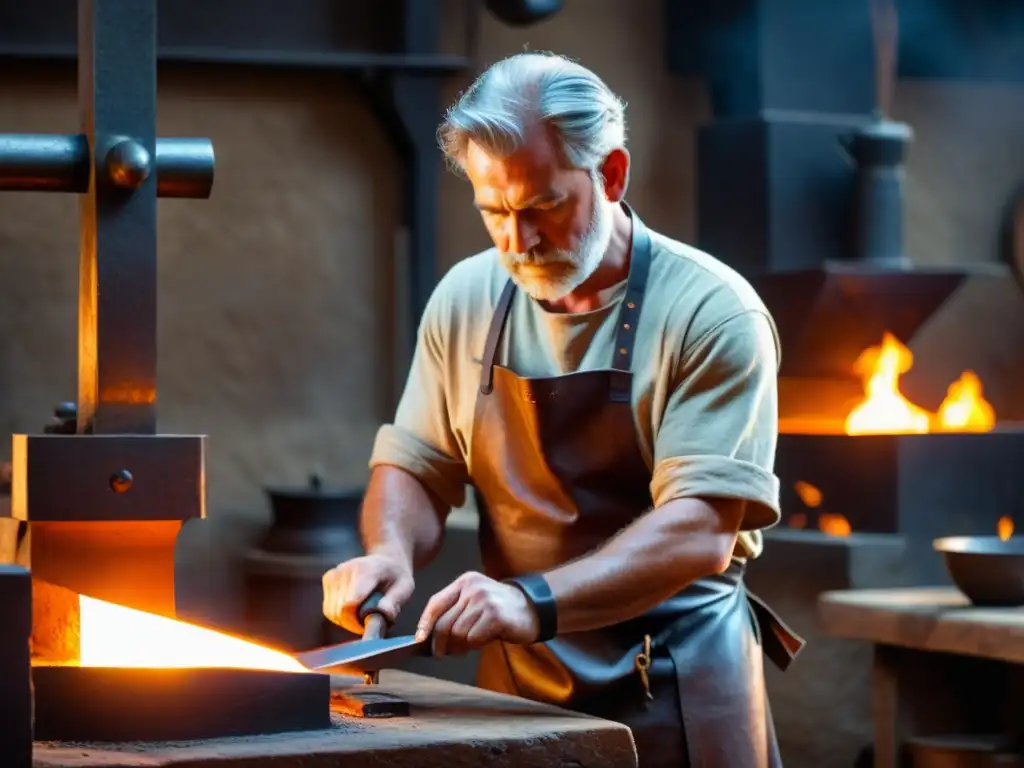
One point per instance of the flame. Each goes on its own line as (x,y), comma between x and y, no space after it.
(1005,527)
(965,409)
(884,409)
(115,636)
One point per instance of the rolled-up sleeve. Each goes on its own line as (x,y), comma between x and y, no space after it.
(719,428)
(420,440)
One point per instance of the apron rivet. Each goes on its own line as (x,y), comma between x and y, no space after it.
(623,351)
(626,326)
(631,305)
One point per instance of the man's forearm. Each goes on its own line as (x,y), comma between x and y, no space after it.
(646,563)
(401,517)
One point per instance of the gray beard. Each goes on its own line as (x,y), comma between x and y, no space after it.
(572,267)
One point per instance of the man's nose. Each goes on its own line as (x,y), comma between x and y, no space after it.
(522,235)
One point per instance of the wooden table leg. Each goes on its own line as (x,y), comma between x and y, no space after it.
(885,707)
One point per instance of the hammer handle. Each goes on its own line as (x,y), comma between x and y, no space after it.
(375,625)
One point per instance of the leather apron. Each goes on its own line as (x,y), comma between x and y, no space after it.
(557,470)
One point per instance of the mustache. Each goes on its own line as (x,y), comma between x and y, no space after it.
(538,258)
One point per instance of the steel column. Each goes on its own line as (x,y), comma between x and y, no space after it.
(408,106)
(417,103)
(117,272)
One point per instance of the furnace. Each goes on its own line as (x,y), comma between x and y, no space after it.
(800,188)
(806,199)
(101,496)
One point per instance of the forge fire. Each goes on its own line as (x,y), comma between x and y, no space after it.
(881,411)
(884,410)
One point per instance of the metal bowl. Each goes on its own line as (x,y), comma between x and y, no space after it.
(988,570)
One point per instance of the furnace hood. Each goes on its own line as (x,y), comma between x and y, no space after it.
(827,316)
(809,208)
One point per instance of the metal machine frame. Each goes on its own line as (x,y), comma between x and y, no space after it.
(102,507)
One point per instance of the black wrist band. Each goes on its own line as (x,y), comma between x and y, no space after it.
(538,593)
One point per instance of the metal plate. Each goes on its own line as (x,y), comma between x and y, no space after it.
(65,478)
(122,705)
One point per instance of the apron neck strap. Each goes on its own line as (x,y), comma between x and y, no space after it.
(494,337)
(629,312)
(636,287)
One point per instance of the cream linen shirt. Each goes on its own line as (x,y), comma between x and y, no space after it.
(705,367)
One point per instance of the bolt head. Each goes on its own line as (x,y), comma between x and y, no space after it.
(121,481)
(128,164)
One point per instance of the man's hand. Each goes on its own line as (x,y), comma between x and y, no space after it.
(347,586)
(474,610)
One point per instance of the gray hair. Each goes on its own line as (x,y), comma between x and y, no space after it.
(527,89)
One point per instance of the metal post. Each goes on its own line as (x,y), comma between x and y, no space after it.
(417,103)
(409,108)
(105,503)
(15,669)
(117,273)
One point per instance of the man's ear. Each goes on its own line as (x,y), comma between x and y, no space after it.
(615,172)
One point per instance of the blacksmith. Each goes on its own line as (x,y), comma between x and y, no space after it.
(609,395)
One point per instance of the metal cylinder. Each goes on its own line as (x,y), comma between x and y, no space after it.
(44,163)
(184,168)
(60,163)
(879,151)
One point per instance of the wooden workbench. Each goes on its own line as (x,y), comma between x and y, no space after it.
(941,666)
(452,726)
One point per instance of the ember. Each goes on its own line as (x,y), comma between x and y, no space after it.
(834,525)
(116,636)
(808,494)
(829,523)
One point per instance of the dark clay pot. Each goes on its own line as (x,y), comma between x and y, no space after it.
(312,530)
